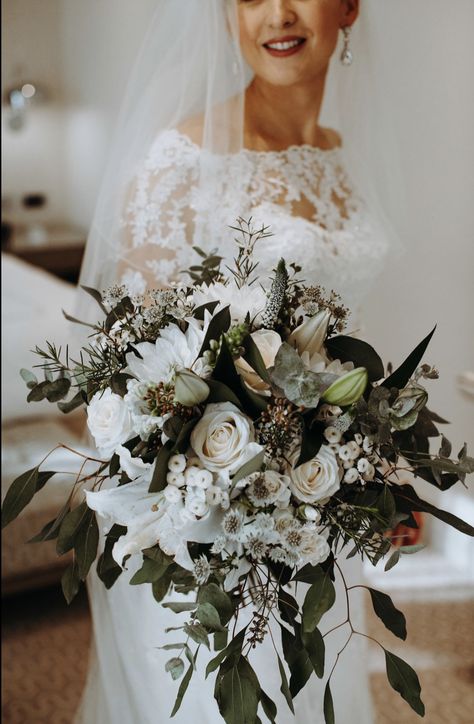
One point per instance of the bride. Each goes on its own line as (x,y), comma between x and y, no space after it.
(223,119)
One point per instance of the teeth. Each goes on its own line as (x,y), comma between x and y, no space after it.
(284,45)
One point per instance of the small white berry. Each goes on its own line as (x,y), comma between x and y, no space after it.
(354,448)
(172,494)
(177,463)
(345,453)
(332,434)
(176,479)
(351,475)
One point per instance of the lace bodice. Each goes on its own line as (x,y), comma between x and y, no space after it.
(184,196)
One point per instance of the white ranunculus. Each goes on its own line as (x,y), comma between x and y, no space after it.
(268,343)
(172,350)
(242,301)
(223,439)
(317,479)
(109,421)
(313,548)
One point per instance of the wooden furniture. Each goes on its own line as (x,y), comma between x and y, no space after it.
(59,249)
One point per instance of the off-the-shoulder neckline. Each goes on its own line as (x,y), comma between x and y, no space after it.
(316,150)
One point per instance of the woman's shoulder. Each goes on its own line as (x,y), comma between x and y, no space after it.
(330,139)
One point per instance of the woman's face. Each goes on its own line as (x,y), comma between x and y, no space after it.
(291,41)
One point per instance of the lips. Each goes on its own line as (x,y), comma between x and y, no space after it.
(282,47)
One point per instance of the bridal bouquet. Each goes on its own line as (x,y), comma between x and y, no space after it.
(245,445)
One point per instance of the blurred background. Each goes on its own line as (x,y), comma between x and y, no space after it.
(64,67)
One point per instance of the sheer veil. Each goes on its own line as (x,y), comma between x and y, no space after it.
(190,66)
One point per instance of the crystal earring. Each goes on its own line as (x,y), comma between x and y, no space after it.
(346,55)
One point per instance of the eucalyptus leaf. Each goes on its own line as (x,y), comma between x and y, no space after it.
(268,706)
(393,560)
(404,679)
(175,667)
(108,570)
(21,492)
(300,386)
(392,618)
(70,526)
(407,550)
(232,651)
(86,544)
(182,689)
(212,593)
(70,582)
(328,706)
(285,688)
(314,645)
(28,377)
(197,633)
(180,606)
(238,694)
(406,495)
(160,470)
(209,617)
(150,572)
(72,404)
(161,587)
(319,598)
(251,466)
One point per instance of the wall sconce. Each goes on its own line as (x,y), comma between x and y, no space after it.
(19,98)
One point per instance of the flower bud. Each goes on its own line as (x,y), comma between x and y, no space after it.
(307,512)
(348,388)
(310,335)
(189,389)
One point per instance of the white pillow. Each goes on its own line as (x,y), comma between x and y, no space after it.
(32,300)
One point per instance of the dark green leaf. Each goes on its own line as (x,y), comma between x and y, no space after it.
(158,480)
(150,572)
(50,530)
(72,404)
(180,606)
(86,543)
(220,640)
(349,349)
(199,311)
(114,465)
(198,633)
(393,560)
(57,389)
(297,658)
(403,679)
(70,582)
(173,426)
(402,375)
(231,652)
(38,392)
(225,372)
(328,706)
(319,599)
(219,324)
(405,494)
(182,442)
(219,392)
(253,357)
(160,588)
(392,618)
(285,689)
(287,605)
(412,549)
(268,706)
(211,593)
(311,441)
(96,295)
(70,526)
(182,689)
(118,383)
(386,504)
(21,491)
(238,692)
(314,645)
(108,569)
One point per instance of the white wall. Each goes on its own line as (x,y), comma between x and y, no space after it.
(430,42)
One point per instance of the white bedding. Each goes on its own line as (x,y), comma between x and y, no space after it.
(32,300)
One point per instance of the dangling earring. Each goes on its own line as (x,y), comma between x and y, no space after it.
(346,55)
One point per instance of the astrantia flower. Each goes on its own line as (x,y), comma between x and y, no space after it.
(233,524)
(256,548)
(242,301)
(267,488)
(202,570)
(219,544)
(172,350)
(262,527)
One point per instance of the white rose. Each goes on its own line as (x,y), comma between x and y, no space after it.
(109,421)
(223,439)
(268,343)
(317,479)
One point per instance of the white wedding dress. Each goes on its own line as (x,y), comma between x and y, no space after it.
(319,222)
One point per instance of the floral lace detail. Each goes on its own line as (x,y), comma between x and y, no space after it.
(184,195)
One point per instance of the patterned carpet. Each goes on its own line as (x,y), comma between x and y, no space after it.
(45,660)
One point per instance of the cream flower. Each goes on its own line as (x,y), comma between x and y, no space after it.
(313,548)
(242,301)
(317,479)
(268,343)
(223,439)
(109,421)
(172,350)
(310,335)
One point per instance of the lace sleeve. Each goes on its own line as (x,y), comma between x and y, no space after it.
(159,219)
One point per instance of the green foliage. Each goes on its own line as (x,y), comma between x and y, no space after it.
(402,374)
(237,693)
(175,667)
(350,349)
(108,569)
(392,618)
(328,706)
(70,582)
(158,480)
(403,679)
(301,386)
(22,491)
(319,598)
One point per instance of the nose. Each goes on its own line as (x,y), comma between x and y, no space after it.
(281,14)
